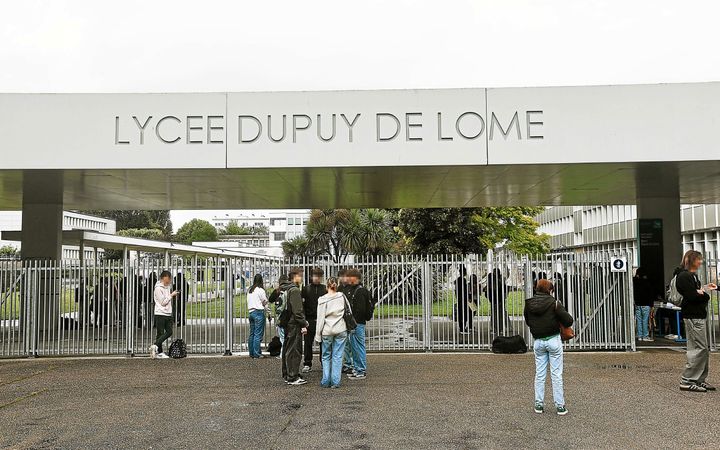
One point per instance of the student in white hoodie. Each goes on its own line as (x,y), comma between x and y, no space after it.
(163,313)
(331,333)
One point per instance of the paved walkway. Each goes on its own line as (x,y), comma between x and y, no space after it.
(616,400)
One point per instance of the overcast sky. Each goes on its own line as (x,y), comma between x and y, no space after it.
(188,46)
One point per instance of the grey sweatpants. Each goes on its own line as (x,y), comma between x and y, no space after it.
(696,368)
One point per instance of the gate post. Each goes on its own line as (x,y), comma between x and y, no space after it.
(629,305)
(527,279)
(229,301)
(427,305)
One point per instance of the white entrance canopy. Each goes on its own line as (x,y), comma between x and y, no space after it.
(393,148)
(95,239)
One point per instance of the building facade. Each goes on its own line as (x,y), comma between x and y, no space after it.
(12,221)
(281,226)
(614,227)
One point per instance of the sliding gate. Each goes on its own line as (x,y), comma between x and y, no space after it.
(424,303)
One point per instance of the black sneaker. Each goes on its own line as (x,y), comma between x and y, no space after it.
(692,387)
(298,382)
(347,370)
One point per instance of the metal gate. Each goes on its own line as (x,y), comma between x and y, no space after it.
(424,303)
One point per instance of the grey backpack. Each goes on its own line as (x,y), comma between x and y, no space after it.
(672,295)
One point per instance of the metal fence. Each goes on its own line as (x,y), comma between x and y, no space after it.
(424,303)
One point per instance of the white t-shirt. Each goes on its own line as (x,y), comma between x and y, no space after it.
(257,299)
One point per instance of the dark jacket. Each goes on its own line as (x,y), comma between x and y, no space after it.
(643,292)
(361,302)
(694,305)
(294,305)
(310,295)
(544,314)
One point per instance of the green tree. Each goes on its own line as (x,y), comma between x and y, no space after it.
(340,232)
(297,248)
(235,229)
(137,219)
(196,230)
(8,251)
(471,230)
(143,233)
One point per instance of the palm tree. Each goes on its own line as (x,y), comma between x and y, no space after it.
(297,248)
(340,232)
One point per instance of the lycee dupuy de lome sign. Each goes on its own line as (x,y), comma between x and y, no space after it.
(325,128)
(383,128)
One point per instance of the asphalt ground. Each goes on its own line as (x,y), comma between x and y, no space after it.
(616,400)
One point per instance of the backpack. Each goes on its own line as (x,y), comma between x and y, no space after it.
(672,295)
(178,349)
(275,346)
(509,344)
(283,310)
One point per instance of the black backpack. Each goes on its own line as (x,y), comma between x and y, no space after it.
(509,344)
(178,349)
(275,346)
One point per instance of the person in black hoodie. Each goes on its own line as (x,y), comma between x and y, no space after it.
(644,300)
(310,295)
(293,321)
(694,312)
(363,307)
(544,315)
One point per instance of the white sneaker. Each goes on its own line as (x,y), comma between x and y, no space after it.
(162,355)
(671,336)
(649,339)
(153,351)
(306,369)
(298,382)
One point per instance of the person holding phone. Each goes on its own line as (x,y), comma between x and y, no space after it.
(163,298)
(694,312)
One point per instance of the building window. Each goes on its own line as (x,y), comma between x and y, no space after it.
(279,236)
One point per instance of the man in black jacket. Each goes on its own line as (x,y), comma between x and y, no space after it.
(310,295)
(694,311)
(363,307)
(295,325)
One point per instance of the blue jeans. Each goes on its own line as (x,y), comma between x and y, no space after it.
(332,356)
(642,316)
(257,330)
(355,356)
(551,351)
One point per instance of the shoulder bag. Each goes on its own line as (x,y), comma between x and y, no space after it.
(566,333)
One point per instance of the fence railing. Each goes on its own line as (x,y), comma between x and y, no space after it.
(424,303)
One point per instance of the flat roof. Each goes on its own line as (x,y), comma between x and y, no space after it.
(352,149)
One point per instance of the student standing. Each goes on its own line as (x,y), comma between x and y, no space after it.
(644,300)
(293,321)
(257,302)
(362,307)
(310,294)
(163,313)
(544,315)
(331,333)
(694,312)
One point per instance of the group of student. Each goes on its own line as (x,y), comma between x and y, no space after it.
(314,313)
(694,311)
(545,315)
(318,313)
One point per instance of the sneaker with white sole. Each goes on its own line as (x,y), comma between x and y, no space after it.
(562,410)
(539,408)
(297,382)
(707,387)
(306,369)
(162,356)
(356,376)
(691,387)
(153,351)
